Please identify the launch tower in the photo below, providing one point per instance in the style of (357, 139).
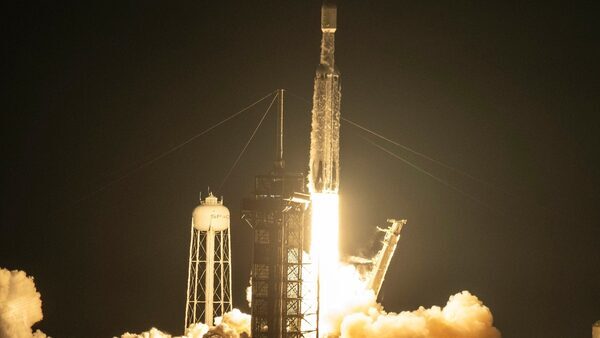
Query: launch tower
(276, 212)
(382, 260)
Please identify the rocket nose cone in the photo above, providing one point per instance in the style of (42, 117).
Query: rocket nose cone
(328, 16)
(329, 4)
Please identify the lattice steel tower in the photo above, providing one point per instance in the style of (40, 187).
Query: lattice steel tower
(209, 272)
(280, 289)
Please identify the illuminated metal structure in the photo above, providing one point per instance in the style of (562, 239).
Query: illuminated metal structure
(209, 272)
(382, 260)
(276, 212)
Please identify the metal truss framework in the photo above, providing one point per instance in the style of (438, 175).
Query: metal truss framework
(299, 309)
(283, 299)
(198, 297)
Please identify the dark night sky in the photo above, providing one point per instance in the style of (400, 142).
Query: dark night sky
(507, 92)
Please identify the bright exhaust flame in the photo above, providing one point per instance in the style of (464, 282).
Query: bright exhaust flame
(325, 250)
(348, 308)
(325, 230)
(342, 291)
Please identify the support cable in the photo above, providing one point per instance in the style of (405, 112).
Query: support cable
(247, 143)
(456, 170)
(429, 158)
(436, 178)
(166, 153)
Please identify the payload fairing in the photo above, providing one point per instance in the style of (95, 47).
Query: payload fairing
(325, 134)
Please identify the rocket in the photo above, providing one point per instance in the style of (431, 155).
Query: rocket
(325, 128)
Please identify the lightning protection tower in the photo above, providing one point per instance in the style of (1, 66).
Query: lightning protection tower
(209, 272)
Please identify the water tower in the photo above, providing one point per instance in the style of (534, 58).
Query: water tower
(209, 272)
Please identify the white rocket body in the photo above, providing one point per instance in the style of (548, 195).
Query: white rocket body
(325, 133)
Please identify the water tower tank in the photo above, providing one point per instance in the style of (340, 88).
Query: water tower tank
(209, 270)
(211, 214)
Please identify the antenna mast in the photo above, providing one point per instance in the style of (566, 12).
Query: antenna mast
(279, 161)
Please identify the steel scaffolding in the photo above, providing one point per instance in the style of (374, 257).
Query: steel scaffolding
(199, 293)
(281, 304)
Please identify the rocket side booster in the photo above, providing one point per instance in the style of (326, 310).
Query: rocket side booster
(325, 134)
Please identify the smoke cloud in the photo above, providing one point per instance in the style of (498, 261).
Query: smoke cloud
(152, 333)
(20, 305)
(234, 324)
(464, 316)
(355, 313)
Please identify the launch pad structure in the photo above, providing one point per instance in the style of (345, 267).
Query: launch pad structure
(276, 212)
(382, 260)
(285, 286)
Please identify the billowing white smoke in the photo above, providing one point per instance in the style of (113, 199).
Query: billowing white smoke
(233, 324)
(152, 333)
(356, 314)
(464, 316)
(20, 305)
(249, 293)
(194, 331)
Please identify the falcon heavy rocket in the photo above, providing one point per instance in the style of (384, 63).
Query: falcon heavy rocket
(325, 134)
